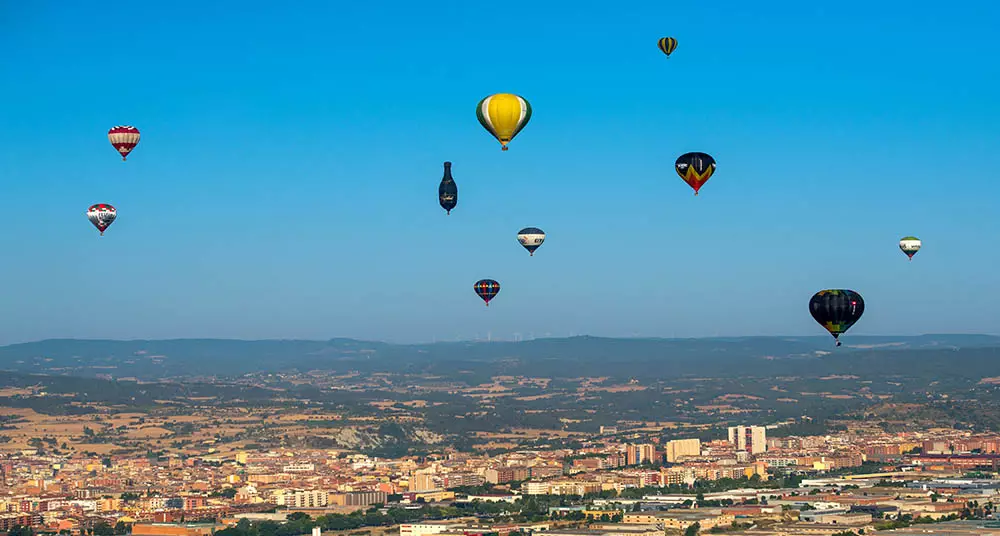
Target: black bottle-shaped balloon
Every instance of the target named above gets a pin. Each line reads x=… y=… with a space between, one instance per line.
x=448 y=190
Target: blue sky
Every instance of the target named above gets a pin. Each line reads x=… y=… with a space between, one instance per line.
x=285 y=185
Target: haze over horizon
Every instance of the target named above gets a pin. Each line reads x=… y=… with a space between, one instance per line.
x=849 y=341
x=285 y=183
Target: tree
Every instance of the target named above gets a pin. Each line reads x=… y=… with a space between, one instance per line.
x=693 y=529
x=228 y=493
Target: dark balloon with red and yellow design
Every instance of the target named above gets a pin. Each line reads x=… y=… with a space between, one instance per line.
x=695 y=169
x=102 y=215
x=836 y=310
x=487 y=289
x=123 y=138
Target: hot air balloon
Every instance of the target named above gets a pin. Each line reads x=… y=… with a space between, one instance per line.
x=124 y=138
x=487 y=289
x=910 y=245
x=836 y=310
x=102 y=215
x=531 y=238
x=667 y=45
x=503 y=115
x=448 y=190
x=695 y=169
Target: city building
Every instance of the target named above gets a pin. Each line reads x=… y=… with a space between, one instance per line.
x=752 y=439
x=506 y=474
x=172 y=529
x=682 y=447
x=644 y=453
x=357 y=498
x=300 y=498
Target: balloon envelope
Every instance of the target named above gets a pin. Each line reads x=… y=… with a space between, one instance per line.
x=836 y=310
x=531 y=238
x=503 y=115
x=487 y=289
x=102 y=215
x=123 y=138
x=447 y=190
x=667 y=45
x=910 y=245
x=695 y=169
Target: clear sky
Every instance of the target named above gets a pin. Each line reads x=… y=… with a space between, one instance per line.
x=286 y=181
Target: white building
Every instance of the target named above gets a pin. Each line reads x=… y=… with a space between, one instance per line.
x=425 y=528
x=535 y=488
x=298 y=498
x=299 y=468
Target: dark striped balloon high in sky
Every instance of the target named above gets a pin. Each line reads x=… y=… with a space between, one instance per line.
x=667 y=45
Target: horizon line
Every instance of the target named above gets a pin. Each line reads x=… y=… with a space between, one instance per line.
x=494 y=340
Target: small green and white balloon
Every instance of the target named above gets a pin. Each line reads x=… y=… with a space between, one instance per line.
x=910 y=245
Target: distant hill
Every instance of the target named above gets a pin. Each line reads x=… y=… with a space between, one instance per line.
x=564 y=357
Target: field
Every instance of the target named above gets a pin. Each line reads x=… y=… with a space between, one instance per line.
x=427 y=406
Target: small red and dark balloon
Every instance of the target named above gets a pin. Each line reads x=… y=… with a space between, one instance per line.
x=487 y=289
x=102 y=215
x=123 y=138
x=695 y=169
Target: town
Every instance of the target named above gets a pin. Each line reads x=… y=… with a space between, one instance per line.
x=855 y=481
